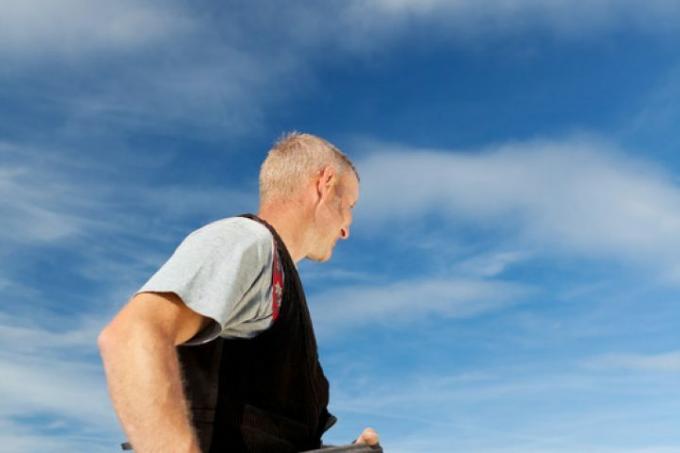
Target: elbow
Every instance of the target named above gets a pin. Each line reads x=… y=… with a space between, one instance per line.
x=125 y=334
x=106 y=340
x=114 y=337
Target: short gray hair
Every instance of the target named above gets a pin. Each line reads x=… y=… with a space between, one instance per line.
x=293 y=159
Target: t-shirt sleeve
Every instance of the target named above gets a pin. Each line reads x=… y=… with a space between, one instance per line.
x=222 y=271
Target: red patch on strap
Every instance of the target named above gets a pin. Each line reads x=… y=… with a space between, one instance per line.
x=277 y=285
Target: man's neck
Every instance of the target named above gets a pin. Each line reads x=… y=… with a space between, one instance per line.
x=290 y=225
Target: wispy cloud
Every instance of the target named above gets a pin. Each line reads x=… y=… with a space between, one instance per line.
x=71 y=197
x=662 y=362
x=55 y=386
x=514 y=409
x=576 y=197
x=128 y=66
x=54 y=435
x=489 y=264
x=468 y=18
x=111 y=228
x=74 y=28
x=213 y=70
x=657 y=116
x=52 y=392
x=405 y=302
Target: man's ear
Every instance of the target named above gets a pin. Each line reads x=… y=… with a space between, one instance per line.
x=326 y=180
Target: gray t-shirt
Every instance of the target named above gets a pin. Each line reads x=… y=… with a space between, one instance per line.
x=223 y=271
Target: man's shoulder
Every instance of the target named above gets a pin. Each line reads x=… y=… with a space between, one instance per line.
x=235 y=229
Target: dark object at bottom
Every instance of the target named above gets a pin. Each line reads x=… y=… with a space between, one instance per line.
x=354 y=448
x=343 y=449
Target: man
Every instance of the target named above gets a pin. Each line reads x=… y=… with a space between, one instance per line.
x=216 y=352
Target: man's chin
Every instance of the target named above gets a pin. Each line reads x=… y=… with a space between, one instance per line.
x=321 y=258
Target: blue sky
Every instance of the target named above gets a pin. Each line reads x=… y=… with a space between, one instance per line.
x=511 y=282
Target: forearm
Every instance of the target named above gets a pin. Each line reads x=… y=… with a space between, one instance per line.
x=144 y=379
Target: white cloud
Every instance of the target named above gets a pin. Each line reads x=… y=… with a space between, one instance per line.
x=662 y=362
x=658 y=115
x=46 y=201
x=490 y=264
x=68 y=388
x=125 y=65
x=31 y=212
x=563 y=18
x=73 y=27
x=577 y=196
x=407 y=301
x=525 y=407
x=52 y=201
x=33 y=337
x=50 y=375
x=162 y=64
x=221 y=90
x=18 y=438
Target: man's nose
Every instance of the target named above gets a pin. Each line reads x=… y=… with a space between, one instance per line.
x=344 y=232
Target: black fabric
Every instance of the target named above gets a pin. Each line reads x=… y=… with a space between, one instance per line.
x=266 y=394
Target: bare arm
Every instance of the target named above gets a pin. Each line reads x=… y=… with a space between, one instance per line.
x=143 y=373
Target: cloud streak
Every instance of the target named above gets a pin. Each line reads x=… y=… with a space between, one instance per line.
x=668 y=362
x=514 y=409
x=404 y=302
x=212 y=70
x=57 y=201
x=74 y=28
x=576 y=197
x=50 y=377
x=468 y=18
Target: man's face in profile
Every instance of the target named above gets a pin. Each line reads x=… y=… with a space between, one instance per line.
x=335 y=216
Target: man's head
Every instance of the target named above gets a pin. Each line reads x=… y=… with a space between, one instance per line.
x=313 y=180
